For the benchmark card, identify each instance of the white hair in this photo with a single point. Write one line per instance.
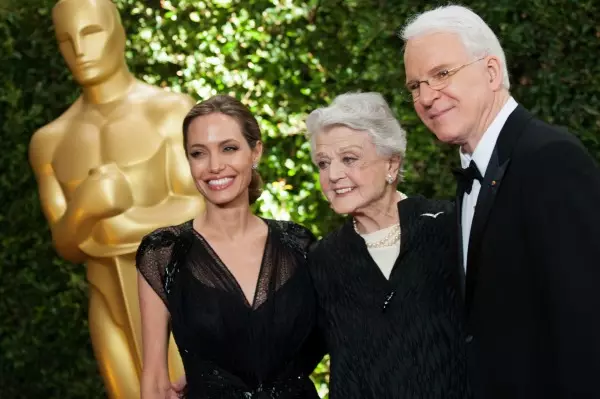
(367, 112)
(477, 37)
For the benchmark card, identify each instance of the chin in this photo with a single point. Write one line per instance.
(220, 199)
(88, 78)
(446, 134)
(94, 74)
(225, 197)
(343, 208)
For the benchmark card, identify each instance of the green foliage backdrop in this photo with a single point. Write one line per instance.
(282, 58)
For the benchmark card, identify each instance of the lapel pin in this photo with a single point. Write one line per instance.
(493, 182)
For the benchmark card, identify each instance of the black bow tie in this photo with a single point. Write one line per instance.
(465, 177)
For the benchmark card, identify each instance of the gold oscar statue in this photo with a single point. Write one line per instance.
(109, 170)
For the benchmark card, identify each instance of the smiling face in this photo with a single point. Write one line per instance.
(220, 158)
(351, 171)
(457, 112)
(90, 39)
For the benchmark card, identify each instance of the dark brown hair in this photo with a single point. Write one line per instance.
(232, 107)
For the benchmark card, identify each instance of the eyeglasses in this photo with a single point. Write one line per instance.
(438, 81)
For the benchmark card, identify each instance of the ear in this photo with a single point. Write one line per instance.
(257, 152)
(394, 164)
(495, 72)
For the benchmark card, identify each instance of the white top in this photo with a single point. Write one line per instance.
(481, 156)
(384, 257)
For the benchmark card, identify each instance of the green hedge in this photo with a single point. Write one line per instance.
(44, 346)
(283, 60)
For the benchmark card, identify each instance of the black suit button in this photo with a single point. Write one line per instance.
(468, 339)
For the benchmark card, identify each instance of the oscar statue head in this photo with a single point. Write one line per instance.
(91, 38)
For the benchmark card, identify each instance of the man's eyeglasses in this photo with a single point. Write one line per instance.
(438, 81)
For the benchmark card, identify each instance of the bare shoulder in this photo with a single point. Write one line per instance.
(46, 138)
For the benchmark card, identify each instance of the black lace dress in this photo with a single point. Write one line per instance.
(229, 347)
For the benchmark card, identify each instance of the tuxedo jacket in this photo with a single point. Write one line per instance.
(532, 286)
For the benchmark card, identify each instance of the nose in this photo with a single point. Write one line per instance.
(427, 95)
(215, 164)
(336, 171)
(77, 44)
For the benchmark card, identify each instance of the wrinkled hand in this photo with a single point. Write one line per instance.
(177, 388)
(105, 193)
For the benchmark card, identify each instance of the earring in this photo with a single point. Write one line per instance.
(254, 166)
(389, 179)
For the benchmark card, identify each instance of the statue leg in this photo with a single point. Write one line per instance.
(115, 326)
(113, 315)
(112, 350)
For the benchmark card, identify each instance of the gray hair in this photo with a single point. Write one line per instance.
(368, 112)
(477, 37)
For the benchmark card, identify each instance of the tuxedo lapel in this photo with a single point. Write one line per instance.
(490, 186)
(461, 255)
(487, 194)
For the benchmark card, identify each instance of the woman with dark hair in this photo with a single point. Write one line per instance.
(233, 287)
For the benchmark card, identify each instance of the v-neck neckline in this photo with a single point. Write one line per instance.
(230, 275)
(374, 265)
(404, 210)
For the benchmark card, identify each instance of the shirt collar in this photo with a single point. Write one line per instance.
(483, 151)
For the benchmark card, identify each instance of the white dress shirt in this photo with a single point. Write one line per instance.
(481, 156)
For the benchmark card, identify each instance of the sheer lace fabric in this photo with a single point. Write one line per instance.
(232, 348)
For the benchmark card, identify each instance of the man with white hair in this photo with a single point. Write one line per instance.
(528, 204)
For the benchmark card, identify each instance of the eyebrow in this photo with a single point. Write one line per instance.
(62, 35)
(341, 150)
(445, 65)
(91, 29)
(220, 143)
(437, 68)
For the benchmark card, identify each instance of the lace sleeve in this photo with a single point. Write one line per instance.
(152, 258)
(304, 236)
(297, 236)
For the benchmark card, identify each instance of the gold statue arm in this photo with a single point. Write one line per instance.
(155, 381)
(103, 194)
(182, 203)
(63, 219)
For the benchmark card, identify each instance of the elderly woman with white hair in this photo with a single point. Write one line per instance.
(387, 280)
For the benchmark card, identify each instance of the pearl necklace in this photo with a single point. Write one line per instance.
(390, 239)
